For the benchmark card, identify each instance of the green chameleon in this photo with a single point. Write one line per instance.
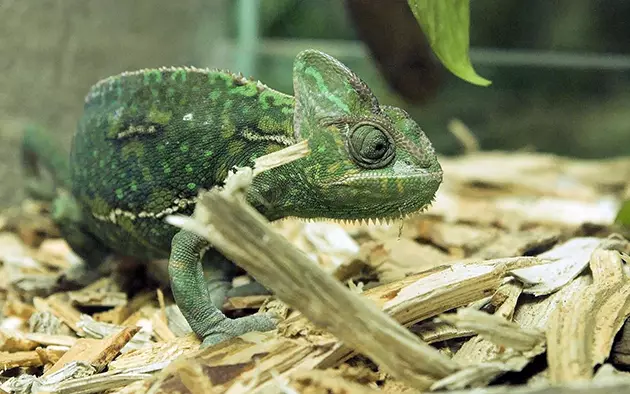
(149, 140)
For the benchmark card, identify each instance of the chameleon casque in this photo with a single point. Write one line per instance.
(149, 140)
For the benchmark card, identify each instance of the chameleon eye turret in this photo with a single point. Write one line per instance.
(370, 146)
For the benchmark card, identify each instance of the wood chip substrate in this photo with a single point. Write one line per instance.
(514, 279)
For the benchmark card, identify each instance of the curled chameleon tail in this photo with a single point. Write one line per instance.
(39, 149)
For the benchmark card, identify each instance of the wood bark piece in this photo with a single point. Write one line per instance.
(97, 353)
(432, 331)
(51, 354)
(20, 359)
(506, 298)
(47, 339)
(13, 341)
(496, 329)
(536, 312)
(569, 260)
(157, 352)
(161, 331)
(485, 358)
(454, 286)
(59, 305)
(120, 313)
(103, 299)
(582, 331)
(14, 307)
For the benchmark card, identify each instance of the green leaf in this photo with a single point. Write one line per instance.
(446, 25)
(623, 217)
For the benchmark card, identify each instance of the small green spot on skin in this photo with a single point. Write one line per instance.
(271, 148)
(235, 148)
(179, 74)
(228, 129)
(263, 99)
(119, 194)
(154, 75)
(189, 168)
(133, 148)
(272, 126)
(334, 168)
(247, 90)
(146, 174)
(192, 186)
(183, 148)
(214, 95)
(159, 117)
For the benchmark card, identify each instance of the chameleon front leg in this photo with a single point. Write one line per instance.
(194, 299)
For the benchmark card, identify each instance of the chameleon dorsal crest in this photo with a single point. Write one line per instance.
(327, 91)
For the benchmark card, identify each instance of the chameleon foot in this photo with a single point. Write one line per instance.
(195, 300)
(230, 328)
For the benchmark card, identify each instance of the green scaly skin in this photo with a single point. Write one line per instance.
(149, 140)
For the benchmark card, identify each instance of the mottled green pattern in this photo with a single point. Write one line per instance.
(149, 140)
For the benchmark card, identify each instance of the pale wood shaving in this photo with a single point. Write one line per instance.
(582, 330)
(569, 260)
(496, 329)
(97, 353)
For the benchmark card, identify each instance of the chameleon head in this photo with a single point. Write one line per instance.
(367, 161)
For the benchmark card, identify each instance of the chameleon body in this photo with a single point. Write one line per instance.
(149, 140)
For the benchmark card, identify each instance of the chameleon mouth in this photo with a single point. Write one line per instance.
(401, 209)
(376, 220)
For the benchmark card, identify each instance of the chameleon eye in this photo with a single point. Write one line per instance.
(370, 146)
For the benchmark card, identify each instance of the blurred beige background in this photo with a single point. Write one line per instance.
(51, 52)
